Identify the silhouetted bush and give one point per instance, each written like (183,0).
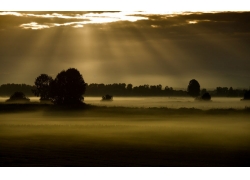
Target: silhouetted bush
(107,98)
(18,97)
(68,87)
(193,88)
(206,96)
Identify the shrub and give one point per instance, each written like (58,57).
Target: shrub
(18,97)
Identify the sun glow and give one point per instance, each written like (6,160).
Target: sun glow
(78,20)
(105,45)
(192,22)
(33,25)
(82,18)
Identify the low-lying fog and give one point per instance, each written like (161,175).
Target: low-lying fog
(170,102)
(128,136)
(40,139)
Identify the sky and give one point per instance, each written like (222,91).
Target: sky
(167,47)
(125,5)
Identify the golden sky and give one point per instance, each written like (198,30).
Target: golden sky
(125,5)
(121,47)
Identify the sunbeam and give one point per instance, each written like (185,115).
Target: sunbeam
(132,47)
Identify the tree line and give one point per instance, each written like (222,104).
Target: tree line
(9,89)
(122,89)
(68,87)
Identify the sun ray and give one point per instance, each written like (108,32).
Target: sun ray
(129,46)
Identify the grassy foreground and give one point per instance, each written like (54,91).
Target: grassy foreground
(45,135)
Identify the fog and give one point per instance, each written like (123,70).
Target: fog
(114,134)
(123,139)
(169,102)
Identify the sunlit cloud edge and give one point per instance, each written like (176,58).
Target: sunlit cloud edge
(99,18)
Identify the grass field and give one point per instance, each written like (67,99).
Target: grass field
(43,135)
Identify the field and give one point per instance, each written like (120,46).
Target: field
(44,135)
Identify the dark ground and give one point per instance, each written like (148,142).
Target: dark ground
(47,136)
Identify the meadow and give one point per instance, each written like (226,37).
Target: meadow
(45,135)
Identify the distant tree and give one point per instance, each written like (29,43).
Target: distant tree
(168,91)
(206,96)
(193,88)
(232,92)
(222,91)
(247,95)
(129,87)
(42,87)
(203,91)
(18,97)
(107,97)
(68,87)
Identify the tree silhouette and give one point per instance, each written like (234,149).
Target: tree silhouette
(206,96)
(247,95)
(107,97)
(18,97)
(42,86)
(129,87)
(203,91)
(193,88)
(68,87)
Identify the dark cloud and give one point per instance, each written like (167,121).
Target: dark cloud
(166,49)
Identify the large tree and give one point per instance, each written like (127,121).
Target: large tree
(68,87)
(42,87)
(193,88)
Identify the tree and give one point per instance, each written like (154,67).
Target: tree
(203,91)
(168,91)
(68,87)
(107,98)
(18,97)
(129,87)
(247,95)
(42,87)
(206,96)
(193,88)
